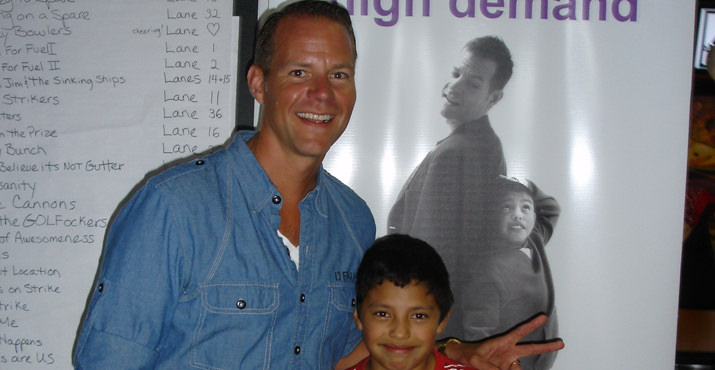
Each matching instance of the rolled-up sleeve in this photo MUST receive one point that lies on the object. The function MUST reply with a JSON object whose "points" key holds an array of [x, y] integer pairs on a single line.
{"points": [[138, 285]]}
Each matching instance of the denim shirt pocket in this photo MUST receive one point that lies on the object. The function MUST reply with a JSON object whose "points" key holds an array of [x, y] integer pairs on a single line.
{"points": [[339, 320], [236, 320], [342, 297]]}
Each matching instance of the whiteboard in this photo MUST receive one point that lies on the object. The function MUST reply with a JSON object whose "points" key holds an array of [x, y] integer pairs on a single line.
{"points": [[94, 95]]}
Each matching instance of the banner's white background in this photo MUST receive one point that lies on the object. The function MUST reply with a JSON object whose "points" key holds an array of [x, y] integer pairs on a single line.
{"points": [[596, 114]]}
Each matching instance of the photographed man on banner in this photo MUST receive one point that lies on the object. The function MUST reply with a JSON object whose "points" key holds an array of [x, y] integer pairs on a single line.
{"points": [[447, 200], [243, 258]]}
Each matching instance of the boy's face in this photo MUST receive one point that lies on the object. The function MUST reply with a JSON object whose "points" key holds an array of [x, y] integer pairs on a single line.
{"points": [[516, 217], [399, 326]]}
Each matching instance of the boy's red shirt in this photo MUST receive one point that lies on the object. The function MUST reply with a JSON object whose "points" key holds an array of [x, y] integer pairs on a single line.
{"points": [[441, 362]]}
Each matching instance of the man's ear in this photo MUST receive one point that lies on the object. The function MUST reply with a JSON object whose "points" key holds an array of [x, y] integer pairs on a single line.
{"points": [[256, 78], [358, 323], [495, 96], [443, 324]]}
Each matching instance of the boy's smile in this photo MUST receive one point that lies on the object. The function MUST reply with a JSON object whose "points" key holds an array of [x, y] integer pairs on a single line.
{"points": [[399, 326]]}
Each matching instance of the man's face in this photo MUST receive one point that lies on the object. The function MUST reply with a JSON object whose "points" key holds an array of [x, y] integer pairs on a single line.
{"points": [[309, 92], [468, 96], [516, 217], [399, 326]]}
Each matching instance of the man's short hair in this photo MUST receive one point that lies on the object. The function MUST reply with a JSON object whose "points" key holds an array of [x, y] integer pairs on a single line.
{"points": [[402, 259], [493, 48], [264, 46]]}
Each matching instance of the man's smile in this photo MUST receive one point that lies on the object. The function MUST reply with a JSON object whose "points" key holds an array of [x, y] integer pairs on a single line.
{"points": [[324, 118]]}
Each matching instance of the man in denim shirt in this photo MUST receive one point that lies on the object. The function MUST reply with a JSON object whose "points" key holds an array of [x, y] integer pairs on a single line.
{"points": [[246, 258]]}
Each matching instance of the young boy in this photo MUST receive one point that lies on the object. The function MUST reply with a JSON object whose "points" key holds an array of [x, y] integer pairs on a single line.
{"points": [[403, 302], [512, 279]]}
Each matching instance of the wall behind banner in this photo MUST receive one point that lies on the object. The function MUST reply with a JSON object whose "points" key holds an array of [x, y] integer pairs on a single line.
{"points": [[596, 114]]}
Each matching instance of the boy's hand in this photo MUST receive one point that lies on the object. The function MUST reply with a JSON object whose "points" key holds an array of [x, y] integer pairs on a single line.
{"points": [[502, 352]]}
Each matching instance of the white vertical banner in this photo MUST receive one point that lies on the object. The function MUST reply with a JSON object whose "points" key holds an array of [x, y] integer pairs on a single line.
{"points": [[596, 113]]}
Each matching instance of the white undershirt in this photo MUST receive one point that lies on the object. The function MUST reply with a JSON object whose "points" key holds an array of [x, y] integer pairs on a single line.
{"points": [[293, 250]]}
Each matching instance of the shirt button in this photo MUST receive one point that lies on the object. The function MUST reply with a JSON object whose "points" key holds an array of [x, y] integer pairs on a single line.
{"points": [[200, 162], [276, 199], [352, 303], [100, 288], [296, 350], [302, 297], [241, 304]]}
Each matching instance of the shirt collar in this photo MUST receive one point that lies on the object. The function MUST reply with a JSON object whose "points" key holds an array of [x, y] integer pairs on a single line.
{"points": [[473, 126], [253, 179]]}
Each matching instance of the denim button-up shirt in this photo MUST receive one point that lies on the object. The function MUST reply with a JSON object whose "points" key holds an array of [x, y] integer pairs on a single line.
{"points": [[193, 274]]}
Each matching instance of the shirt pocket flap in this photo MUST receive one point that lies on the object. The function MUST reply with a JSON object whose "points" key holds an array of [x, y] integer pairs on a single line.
{"points": [[343, 297], [239, 298]]}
